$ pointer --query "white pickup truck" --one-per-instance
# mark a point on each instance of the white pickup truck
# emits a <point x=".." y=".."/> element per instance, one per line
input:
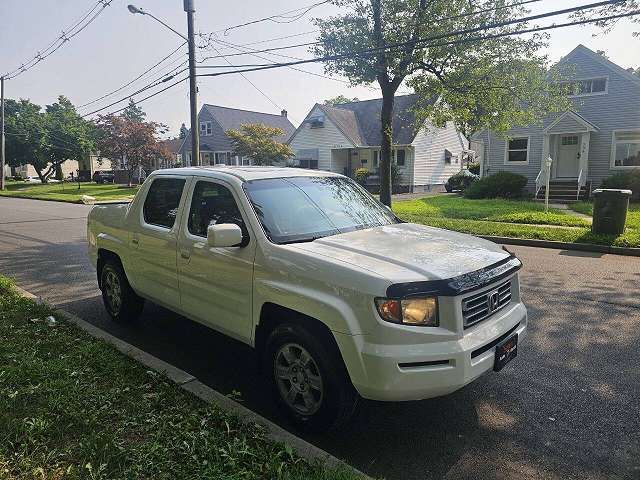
<point x="340" y="298"/>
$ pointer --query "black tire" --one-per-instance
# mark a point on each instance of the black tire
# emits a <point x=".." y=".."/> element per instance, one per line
<point x="120" y="301"/>
<point x="338" y="399"/>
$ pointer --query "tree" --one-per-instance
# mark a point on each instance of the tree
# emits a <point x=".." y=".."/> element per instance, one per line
<point x="25" y="134"/>
<point x="184" y="131"/>
<point x="68" y="136"/>
<point x="46" y="139"/>
<point x="134" y="112"/>
<point x="132" y="142"/>
<point x="256" y="141"/>
<point x="340" y="99"/>
<point x="495" y="83"/>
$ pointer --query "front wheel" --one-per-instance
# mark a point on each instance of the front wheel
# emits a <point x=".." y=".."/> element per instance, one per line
<point x="309" y="381"/>
<point x="120" y="301"/>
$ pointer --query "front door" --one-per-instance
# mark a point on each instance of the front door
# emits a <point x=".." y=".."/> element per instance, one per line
<point x="568" y="162"/>
<point x="216" y="284"/>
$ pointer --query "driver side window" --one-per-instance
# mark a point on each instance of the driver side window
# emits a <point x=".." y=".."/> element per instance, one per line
<point x="212" y="204"/>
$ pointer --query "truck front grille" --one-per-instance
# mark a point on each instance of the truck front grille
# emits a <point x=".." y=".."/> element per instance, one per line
<point x="477" y="308"/>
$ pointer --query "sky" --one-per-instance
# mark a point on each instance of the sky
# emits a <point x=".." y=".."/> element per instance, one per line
<point x="118" y="46"/>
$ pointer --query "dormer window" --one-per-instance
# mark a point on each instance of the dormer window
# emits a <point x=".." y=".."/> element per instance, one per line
<point x="586" y="87"/>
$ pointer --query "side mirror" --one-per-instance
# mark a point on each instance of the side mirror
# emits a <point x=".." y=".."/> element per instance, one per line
<point x="224" y="235"/>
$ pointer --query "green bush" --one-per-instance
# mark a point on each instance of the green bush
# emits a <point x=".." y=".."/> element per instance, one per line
<point x="501" y="184"/>
<point x="626" y="180"/>
<point x="361" y="175"/>
<point x="460" y="181"/>
<point x="474" y="167"/>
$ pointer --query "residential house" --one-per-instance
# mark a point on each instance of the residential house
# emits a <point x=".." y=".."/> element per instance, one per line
<point x="84" y="169"/>
<point x="346" y="137"/>
<point x="598" y="136"/>
<point x="175" y="147"/>
<point x="216" y="146"/>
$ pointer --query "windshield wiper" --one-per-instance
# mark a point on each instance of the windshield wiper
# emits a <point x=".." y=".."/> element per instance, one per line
<point x="303" y="240"/>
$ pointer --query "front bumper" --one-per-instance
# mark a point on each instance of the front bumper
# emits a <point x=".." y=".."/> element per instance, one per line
<point x="420" y="371"/>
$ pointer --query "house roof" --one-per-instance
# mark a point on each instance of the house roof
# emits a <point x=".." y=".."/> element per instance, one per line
<point x="233" y="118"/>
<point x="174" y="144"/>
<point x="600" y="59"/>
<point x="360" y="121"/>
<point x="579" y="120"/>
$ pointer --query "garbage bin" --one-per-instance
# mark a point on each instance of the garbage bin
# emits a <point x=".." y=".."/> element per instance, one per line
<point x="610" y="210"/>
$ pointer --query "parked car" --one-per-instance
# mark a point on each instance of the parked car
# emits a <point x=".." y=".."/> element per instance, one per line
<point x="104" y="177"/>
<point x="460" y="181"/>
<point x="340" y="299"/>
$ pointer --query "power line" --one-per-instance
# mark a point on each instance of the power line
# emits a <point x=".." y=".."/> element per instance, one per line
<point x="274" y="18"/>
<point x="251" y="52"/>
<point x="146" y="87"/>
<point x="458" y="32"/>
<point x="135" y="79"/>
<point x="422" y="41"/>
<point x="60" y="41"/>
<point x="453" y="42"/>
<point x="250" y="82"/>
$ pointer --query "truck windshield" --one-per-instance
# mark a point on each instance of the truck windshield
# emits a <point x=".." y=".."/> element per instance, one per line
<point x="303" y="209"/>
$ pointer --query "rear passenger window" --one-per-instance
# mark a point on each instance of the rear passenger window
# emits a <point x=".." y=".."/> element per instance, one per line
<point x="161" y="205"/>
<point x="212" y="204"/>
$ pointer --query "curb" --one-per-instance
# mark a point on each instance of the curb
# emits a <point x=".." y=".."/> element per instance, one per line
<point x="191" y="384"/>
<point x="584" y="247"/>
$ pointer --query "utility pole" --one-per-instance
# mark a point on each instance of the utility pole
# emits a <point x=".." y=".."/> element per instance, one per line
<point x="2" y="159"/>
<point x="189" y="7"/>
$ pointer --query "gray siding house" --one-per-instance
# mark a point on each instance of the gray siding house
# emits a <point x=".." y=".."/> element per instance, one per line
<point x="346" y="137"/>
<point x="599" y="136"/>
<point x="215" y="145"/>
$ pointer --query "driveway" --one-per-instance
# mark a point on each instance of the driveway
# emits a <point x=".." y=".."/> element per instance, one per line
<point x="566" y="408"/>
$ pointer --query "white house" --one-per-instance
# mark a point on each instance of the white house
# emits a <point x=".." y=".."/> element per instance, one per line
<point x="346" y="137"/>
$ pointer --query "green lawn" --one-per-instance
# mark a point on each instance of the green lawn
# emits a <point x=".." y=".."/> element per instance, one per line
<point x="511" y="218"/>
<point x="73" y="407"/>
<point x="68" y="192"/>
<point x="633" y="215"/>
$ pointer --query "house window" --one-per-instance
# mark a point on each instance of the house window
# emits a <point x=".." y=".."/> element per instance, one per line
<point x="205" y="128"/>
<point x="447" y="157"/>
<point x="401" y="157"/>
<point x="517" y="150"/>
<point x="570" y="140"/>
<point x="626" y="149"/>
<point x="376" y="158"/>
<point x="589" y="86"/>
<point x="308" y="163"/>
<point x="223" y="158"/>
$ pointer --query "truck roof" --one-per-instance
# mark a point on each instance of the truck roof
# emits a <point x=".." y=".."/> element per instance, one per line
<point x="245" y="173"/>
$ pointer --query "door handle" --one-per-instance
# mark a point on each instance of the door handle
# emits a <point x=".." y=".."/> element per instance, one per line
<point x="185" y="254"/>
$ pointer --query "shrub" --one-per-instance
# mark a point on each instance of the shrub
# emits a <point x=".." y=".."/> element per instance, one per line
<point x="361" y="175"/>
<point x="626" y="180"/>
<point x="461" y="181"/>
<point x="18" y="178"/>
<point x="501" y="184"/>
<point x="474" y="167"/>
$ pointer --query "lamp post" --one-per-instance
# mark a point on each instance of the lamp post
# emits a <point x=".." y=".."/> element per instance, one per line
<point x="547" y="164"/>
<point x="189" y="7"/>
<point x="2" y="150"/>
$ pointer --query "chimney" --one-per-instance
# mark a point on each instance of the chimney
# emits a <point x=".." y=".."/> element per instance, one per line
<point x="283" y="113"/>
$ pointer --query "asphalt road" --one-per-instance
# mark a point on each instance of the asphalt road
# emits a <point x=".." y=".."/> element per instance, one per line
<point x="566" y="408"/>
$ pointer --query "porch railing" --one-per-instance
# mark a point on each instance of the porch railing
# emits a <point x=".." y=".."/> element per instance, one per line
<point x="581" y="183"/>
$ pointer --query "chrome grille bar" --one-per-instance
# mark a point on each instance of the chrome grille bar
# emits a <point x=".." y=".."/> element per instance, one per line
<point x="477" y="308"/>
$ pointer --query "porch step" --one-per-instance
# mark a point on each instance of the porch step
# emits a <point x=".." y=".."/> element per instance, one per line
<point x="564" y="192"/>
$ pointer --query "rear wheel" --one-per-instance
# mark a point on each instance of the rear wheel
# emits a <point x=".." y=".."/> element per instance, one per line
<point x="120" y="301"/>
<point x="308" y="379"/>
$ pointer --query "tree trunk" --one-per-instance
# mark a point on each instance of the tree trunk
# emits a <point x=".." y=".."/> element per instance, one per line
<point x="386" y="117"/>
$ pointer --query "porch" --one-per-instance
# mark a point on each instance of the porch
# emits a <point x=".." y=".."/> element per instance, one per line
<point x="566" y="144"/>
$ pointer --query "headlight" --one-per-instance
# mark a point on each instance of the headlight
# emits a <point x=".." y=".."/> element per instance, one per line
<point x="421" y="311"/>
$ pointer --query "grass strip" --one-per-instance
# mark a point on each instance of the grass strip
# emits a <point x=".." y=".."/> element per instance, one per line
<point x="68" y="192"/>
<point x="73" y="407"/>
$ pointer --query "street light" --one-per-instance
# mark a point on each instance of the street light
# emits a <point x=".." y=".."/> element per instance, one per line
<point x="193" y="97"/>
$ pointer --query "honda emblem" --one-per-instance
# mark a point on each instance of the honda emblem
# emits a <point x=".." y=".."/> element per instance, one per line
<point x="493" y="301"/>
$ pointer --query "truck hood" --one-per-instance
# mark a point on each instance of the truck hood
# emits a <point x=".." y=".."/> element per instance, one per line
<point x="408" y="252"/>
